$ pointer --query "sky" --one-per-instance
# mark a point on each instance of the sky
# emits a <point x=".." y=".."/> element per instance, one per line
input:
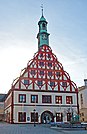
<point x="67" y="25"/>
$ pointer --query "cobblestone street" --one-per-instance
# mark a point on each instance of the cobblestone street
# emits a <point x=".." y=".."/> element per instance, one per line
<point x="39" y="129"/>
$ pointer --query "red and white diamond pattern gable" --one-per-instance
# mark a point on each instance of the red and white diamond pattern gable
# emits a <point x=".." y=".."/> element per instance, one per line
<point x="44" y="72"/>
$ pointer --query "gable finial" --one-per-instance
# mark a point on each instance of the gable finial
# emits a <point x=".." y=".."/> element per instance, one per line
<point x="42" y="8"/>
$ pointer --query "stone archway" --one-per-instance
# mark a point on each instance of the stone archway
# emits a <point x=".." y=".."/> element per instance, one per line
<point x="47" y="117"/>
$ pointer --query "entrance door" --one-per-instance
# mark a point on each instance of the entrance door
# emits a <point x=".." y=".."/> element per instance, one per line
<point x="46" y="117"/>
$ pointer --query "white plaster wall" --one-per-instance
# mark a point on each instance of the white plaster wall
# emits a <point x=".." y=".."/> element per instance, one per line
<point x="28" y="97"/>
<point x="28" y="108"/>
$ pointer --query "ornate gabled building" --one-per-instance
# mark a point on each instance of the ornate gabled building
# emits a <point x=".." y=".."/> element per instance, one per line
<point x="44" y="92"/>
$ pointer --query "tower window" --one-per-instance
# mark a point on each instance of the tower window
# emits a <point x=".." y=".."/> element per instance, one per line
<point x="44" y="26"/>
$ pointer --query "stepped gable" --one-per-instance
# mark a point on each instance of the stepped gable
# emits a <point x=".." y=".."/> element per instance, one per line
<point x="44" y="73"/>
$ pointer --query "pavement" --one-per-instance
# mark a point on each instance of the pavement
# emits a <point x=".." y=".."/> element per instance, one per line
<point x="6" y="128"/>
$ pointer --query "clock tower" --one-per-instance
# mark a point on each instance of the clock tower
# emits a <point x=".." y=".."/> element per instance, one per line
<point x="42" y="36"/>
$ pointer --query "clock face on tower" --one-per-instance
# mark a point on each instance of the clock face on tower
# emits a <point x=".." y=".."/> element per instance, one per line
<point x="44" y="36"/>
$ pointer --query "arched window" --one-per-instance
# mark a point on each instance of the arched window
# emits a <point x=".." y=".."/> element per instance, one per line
<point x="43" y="26"/>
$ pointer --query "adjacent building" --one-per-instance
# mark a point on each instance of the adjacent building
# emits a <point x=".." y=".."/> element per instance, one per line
<point x="2" y="99"/>
<point x="83" y="102"/>
<point x="44" y="91"/>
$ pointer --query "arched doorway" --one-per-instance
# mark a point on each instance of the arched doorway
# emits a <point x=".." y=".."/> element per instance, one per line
<point x="47" y="117"/>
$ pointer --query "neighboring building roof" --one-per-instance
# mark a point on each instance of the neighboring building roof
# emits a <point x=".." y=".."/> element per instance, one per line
<point x="83" y="87"/>
<point x="2" y="97"/>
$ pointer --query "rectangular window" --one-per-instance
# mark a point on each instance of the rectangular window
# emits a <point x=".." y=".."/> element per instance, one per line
<point x="22" y="98"/>
<point x="40" y="83"/>
<point x="22" y="116"/>
<point x="49" y="57"/>
<point x="69" y="100"/>
<point x="81" y="97"/>
<point x="41" y="64"/>
<point x="46" y="99"/>
<point x="58" y="99"/>
<point x="41" y="72"/>
<point x="26" y="82"/>
<point x="50" y="74"/>
<point x="34" y="117"/>
<point x="57" y="74"/>
<point x="68" y="116"/>
<point x="41" y="55"/>
<point x="32" y="72"/>
<point x="59" y="117"/>
<point x="64" y="84"/>
<point x="34" y="98"/>
<point x="49" y="64"/>
<point x="52" y="84"/>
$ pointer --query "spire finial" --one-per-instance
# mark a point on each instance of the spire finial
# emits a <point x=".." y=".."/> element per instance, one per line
<point x="42" y="8"/>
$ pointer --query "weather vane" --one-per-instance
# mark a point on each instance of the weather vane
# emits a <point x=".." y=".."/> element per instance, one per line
<point x="42" y="8"/>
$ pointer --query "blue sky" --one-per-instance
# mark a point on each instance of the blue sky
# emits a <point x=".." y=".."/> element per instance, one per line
<point x="67" y="25"/>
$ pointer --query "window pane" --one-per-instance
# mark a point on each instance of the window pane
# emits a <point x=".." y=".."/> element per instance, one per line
<point x="52" y="84"/>
<point x="34" y="117"/>
<point x="59" y="117"/>
<point x="41" y="64"/>
<point x="59" y="99"/>
<point x="57" y="74"/>
<point x="41" y="72"/>
<point x="50" y="74"/>
<point x="69" y="100"/>
<point x="49" y="64"/>
<point x="22" y="116"/>
<point x="68" y="116"/>
<point x="46" y="99"/>
<point x="41" y="55"/>
<point x="40" y="83"/>
<point x="64" y="84"/>
<point x="32" y="72"/>
<point x="34" y="98"/>
<point x="49" y="56"/>
<point x="22" y="98"/>
<point x="26" y="82"/>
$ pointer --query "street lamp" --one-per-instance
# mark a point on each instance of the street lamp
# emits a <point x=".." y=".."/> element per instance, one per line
<point x="34" y="117"/>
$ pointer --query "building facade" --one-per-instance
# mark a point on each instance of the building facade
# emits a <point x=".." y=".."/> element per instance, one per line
<point x="83" y="102"/>
<point x="2" y="99"/>
<point x="44" y="92"/>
